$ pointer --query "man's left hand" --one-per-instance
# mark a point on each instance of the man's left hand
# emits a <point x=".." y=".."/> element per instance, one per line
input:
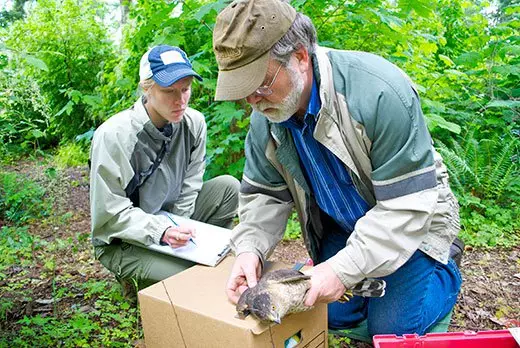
<point x="325" y="285"/>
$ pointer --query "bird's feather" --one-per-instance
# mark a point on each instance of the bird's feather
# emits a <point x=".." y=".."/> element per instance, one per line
<point x="283" y="291"/>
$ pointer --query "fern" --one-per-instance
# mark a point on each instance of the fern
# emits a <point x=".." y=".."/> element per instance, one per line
<point x="485" y="174"/>
<point x="485" y="168"/>
<point x="456" y="165"/>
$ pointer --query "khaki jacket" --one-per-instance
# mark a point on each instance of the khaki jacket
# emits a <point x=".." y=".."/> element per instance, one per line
<point x="372" y="121"/>
<point x="127" y="144"/>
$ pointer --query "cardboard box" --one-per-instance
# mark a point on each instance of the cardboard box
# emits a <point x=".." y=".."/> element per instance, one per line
<point x="191" y="309"/>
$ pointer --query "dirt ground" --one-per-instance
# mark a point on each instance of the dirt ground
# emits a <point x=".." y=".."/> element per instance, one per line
<point x="489" y="299"/>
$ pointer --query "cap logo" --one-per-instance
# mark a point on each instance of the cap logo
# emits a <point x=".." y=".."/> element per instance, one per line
<point x="172" y="57"/>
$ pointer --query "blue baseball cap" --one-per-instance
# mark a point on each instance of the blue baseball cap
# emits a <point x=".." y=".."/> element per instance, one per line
<point x="166" y="65"/>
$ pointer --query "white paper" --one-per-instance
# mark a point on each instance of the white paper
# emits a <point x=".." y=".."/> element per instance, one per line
<point x="212" y="242"/>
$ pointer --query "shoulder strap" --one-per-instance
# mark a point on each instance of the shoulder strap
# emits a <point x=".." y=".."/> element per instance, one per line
<point x="138" y="180"/>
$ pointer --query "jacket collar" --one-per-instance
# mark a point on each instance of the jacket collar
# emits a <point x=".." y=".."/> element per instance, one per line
<point x="150" y="128"/>
<point x="323" y="75"/>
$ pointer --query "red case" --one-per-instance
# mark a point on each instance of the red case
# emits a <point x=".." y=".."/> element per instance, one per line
<point x="468" y="339"/>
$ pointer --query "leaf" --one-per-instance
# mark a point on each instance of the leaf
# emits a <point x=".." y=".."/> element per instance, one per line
<point x="36" y="133"/>
<point x="92" y="100"/>
<point x="513" y="50"/>
<point x="75" y="95"/>
<point x="199" y="67"/>
<point x="428" y="47"/>
<point x="228" y="111"/>
<point x="67" y="108"/>
<point x="37" y="63"/>
<point x="446" y="60"/>
<point x="392" y="21"/>
<point x="204" y="10"/>
<point x="505" y="70"/>
<point x="51" y="173"/>
<point x="422" y="7"/>
<point x="434" y="105"/>
<point x="469" y="59"/>
<point x="455" y="72"/>
<point x="435" y="120"/>
<point x="504" y="104"/>
<point x="88" y="135"/>
<point x="46" y="301"/>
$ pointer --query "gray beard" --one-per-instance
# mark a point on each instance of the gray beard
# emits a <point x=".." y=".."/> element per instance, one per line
<point x="288" y="106"/>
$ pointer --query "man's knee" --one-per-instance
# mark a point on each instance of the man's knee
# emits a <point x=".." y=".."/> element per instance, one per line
<point x="342" y="315"/>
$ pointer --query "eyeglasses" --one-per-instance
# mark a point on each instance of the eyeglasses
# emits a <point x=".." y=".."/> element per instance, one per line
<point x="265" y="91"/>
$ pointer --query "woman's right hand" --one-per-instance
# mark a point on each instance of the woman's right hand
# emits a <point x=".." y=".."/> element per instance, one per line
<point x="178" y="236"/>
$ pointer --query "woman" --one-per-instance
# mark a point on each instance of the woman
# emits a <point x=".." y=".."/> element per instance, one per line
<point x="148" y="158"/>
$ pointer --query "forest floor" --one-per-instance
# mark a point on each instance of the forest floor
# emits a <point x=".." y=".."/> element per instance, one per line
<point x="489" y="299"/>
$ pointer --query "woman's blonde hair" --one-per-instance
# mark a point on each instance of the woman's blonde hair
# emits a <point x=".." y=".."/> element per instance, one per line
<point x="146" y="85"/>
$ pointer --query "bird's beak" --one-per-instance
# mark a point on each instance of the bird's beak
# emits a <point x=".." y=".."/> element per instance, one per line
<point x="274" y="317"/>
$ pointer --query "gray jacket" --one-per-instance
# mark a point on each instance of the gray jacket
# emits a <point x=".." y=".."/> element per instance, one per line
<point x="372" y="121"/>
<point x="128" y="143"/>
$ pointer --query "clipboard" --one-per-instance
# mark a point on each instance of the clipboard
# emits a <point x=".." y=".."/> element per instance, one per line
<point x="212" y="242"/>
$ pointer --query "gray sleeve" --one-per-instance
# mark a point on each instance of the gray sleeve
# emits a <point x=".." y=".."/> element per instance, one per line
<point x="113" y="214"/>
<point x="265" y="202"/>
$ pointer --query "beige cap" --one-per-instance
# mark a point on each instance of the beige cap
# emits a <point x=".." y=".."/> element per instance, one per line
<point x="244" y="33"/>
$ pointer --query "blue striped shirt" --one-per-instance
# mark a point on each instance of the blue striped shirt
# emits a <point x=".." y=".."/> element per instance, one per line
<point x="331" y="183"/>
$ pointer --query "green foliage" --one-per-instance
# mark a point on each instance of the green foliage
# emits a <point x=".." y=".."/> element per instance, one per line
<point x="7" y="17"/>
<point x="226" y="134"/>
<point x="62" y="46"/>
<point x="79" y="329"/>
<point x="486" y="168"/>
<point x="487" y="225"/>
<point x="21" y="200"/>
<point x="293" y="230"/>
<point x="112" y="321"/>
<point x="485" y="174"/>
<point x="16" y="246"/>
<point x="71" y="154"/>
<point x="25" y="114"/>
<point x="338" y="341"/>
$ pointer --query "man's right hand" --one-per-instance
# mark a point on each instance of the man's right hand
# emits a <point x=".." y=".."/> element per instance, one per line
<point x="245" y="273"/>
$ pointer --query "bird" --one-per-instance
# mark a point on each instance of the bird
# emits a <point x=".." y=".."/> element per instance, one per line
<point x="281" y="292"/>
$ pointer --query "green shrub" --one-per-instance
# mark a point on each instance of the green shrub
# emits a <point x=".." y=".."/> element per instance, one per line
<point x="112" y="323"/>
<point x="26" y="114"/>
<point x="486" y="224"/>
<point x="485" y="175"/>
<point x="21" y="200"/>
<point x="16" y="246"/>
<point x="71" y="155"/>
<point x="62" y="45"/>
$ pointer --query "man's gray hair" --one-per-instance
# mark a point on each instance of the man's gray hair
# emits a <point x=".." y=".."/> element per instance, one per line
<point x="301" y="34"/>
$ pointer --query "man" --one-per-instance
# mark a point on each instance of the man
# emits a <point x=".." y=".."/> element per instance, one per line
<point x="149" y="158"/>
<point x="340" y="136"/>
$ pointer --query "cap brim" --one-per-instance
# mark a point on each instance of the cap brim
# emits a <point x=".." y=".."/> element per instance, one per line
<point x="167" y="78"/>
<point x="239" y="83"/>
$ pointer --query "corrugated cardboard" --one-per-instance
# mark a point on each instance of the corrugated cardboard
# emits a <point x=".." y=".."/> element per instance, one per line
<point x="191" y="309"/>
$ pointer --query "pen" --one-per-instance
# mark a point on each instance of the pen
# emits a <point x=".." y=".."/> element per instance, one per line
<point x="176" y="224"/>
